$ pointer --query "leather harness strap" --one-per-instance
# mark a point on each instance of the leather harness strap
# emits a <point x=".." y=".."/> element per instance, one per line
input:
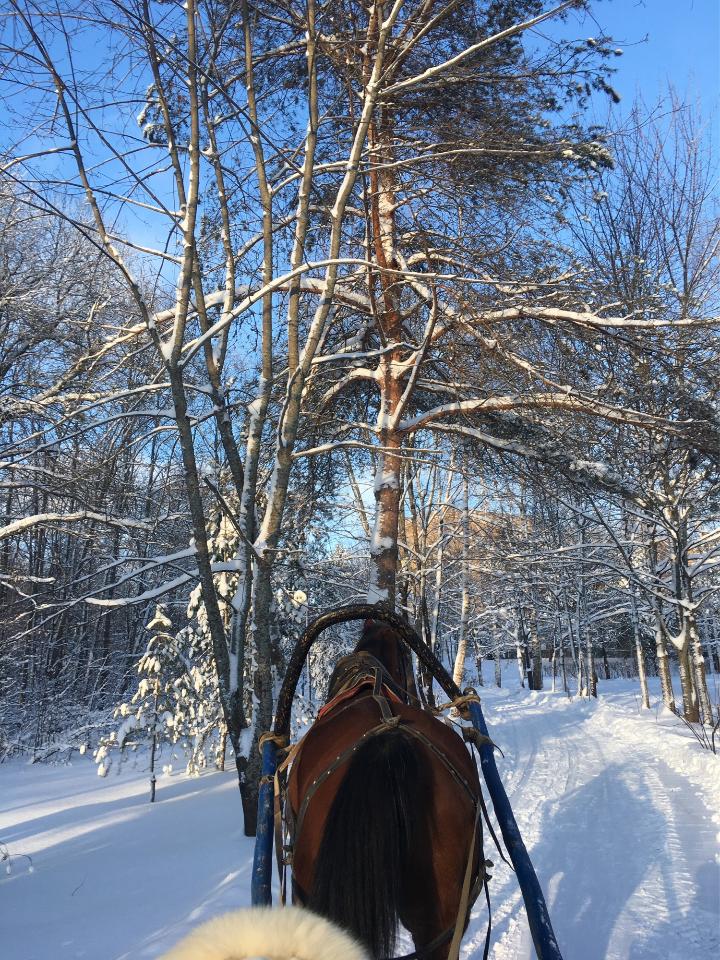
<point x="339" y="760"/>
<point x="465" y="903"/>
<point x="283" y="850"/>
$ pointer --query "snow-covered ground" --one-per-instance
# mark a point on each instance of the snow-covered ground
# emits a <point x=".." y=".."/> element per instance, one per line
<point x="621" y="813"/>
<point x="620" y="810"/>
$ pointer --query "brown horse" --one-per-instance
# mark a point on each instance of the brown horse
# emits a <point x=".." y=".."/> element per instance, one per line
<point x="384" y="808"/>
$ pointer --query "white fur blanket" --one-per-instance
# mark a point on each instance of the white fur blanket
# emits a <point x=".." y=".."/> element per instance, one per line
<point x="283" y="933"/>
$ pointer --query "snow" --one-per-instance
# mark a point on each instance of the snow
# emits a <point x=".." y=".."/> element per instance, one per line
<point x="159" y="620"/>
<point x="620" y="813"/>
<point x="116" y="878"/>
<point x="386" y="478"/>
<point x="378" y="545"/>
<point x="620" y="809"/>
<point x="377" y="594"/>
<point x="151" y="594"/>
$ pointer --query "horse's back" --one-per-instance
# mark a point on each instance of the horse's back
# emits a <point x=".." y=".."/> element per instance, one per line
<point x="336" y="733"/>
<point x="453" y="785"/>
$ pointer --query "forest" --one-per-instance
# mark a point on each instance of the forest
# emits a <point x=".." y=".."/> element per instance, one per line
<point x="306" y="302"/>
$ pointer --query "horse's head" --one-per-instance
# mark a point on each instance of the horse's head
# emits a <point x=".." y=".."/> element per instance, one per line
<point x="383" y="642"/>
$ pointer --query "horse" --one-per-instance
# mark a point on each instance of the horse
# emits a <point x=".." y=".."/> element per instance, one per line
<point x="383" y="808"/>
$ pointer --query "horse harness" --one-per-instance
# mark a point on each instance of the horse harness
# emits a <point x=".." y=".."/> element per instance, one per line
<point x="350" y="675"/>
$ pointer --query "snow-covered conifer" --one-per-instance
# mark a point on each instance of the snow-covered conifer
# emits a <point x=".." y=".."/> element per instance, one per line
<point x="150" y="713"/>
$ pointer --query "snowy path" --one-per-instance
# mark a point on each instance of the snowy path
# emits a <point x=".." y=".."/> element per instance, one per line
<point x="621" y="813"/>
<point x="621" y="817"/>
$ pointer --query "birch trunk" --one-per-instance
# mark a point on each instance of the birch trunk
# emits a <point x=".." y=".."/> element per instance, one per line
<point x="521" y="653"/>
<point x="496" y="647"/>
<point x="261" y="672"/>
<point x="642" y="675"/>
<point x="663" y="663"/>
<point x="459" y="668"/>
<point x="582" y="687"/>
<point x="581" y="680"/>
<point x="709" y="645"/>
<point x="591" y="673"/>
<point x="660" y="633"/>
<point x="691" y="710"/>
<point x="383" y="543"/>
<point x="697" y="660"/>
<point x="714" y="647"/>
<point x="520" y="664"/>
<point x="536" y="676"/>
<point x="571" y="638"/>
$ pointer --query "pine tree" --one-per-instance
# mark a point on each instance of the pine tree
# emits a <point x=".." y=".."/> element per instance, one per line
<point x="150" y="714"/>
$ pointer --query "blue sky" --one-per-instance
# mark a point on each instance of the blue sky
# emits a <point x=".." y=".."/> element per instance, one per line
<point x="664" y="41"/>
<point x="682" y="48"/>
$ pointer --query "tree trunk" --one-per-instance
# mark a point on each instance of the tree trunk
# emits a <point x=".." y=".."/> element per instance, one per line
<point x="536" y="676"/>
<point x="563" y="666"/>
<point x="383" y="544"/>
<point x="581" y="683"/>
<point x="435" y="619"/>
<point x="698" y="668"/>
<point x="583" y="689"/>
<point x="571" y="640"/>
<point x="249" y="770"/>
<point x="496" y="646"/>
<point x="639" y="655"/>
<point x="663" y="664"/>
<point x="459" y="668"/>
<point x="606" y="663"/>
<point x="422" y="617"/>
<point x="591" y="674"/>
<point x="426" y="678"/>
<point x="404" y="560"/>
<point x="222" y="748"/>
<point x="478" y="662"/>
<point x="715" y="646"/>
<point x="519" y="658"/>
<point x="708" y="644"/>
<point x="691" y="710"/>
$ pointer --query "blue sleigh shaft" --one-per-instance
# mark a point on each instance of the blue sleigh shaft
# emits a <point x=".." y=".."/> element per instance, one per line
<point x="541" y="930"/>
<point x="261" y="884"/>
